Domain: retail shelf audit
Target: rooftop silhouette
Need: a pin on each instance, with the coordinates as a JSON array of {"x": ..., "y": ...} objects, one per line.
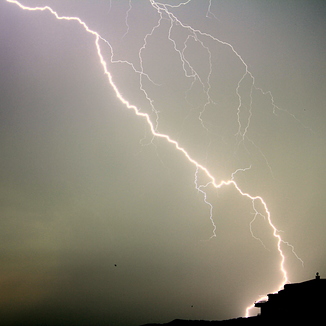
[{"x": 296, "y": 302}]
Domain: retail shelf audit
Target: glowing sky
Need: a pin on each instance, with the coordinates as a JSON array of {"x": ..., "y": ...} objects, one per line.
[{"x": 101, "y": 222}]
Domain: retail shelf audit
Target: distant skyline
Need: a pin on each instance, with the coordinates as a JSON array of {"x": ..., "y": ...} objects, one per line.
[{"x": 102, "y": 219}]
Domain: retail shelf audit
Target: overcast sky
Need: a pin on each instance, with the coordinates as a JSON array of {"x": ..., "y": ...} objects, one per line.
[{"x": 101, "y": 221}]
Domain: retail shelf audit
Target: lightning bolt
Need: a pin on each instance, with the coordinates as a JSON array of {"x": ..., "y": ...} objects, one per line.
[{"x": 164, "y": 12}]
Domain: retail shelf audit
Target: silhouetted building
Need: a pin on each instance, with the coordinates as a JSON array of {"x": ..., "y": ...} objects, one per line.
[{"x": 297, "y": 301}]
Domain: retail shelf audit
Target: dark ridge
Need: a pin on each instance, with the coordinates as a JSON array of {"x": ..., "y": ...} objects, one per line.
[
  {"x": 303, "y": 302},
  {"x": 236, "y": 321}
]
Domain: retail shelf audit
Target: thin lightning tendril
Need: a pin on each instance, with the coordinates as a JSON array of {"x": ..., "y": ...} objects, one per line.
[
  {"x": 162, "y": 10},
  {"x": 126, "y": 21}
]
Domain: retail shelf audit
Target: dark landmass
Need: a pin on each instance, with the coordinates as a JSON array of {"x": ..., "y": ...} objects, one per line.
[
  {"x": 236, "y": 321},
  {"x": 296, "y": 303}
]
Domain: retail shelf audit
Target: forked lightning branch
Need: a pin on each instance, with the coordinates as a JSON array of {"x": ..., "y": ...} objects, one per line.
[{"x": 164, "y": 11}]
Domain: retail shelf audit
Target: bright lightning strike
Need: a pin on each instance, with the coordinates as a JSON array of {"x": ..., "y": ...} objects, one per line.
[{"x": 164, "y": 13}]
